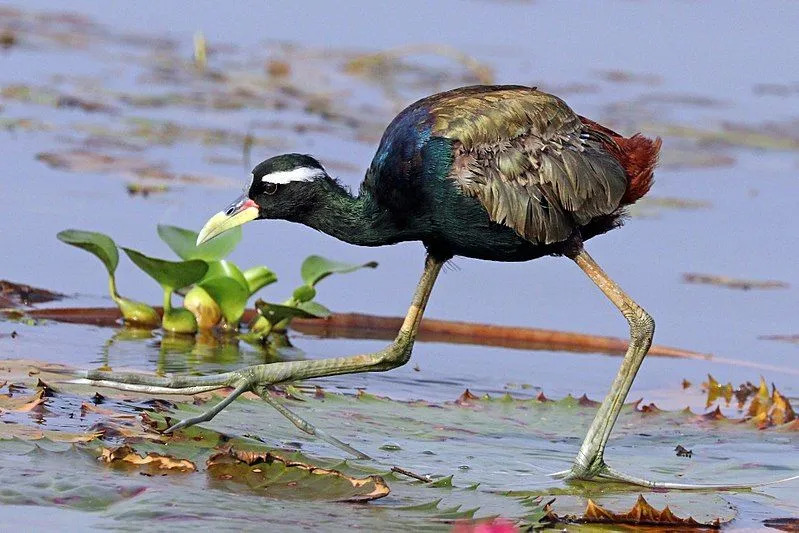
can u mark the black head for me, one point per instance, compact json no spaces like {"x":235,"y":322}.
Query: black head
{"x":286,"y":186}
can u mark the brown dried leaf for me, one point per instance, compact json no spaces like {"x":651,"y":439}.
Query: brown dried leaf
{"x":466,"y":398}
{"x":758,"y":409}
{"x":263,"y":470}
{"x":780,"y":411}
{"x":15,"y":294}
{"x":783,"y":524}
{"x":715,"y":391}
{"x":126,"y":455}
{"x":22,"y":404}
{"x":641,"y":514}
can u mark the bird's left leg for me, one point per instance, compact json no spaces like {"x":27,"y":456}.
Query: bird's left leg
{"x":256,"y":378}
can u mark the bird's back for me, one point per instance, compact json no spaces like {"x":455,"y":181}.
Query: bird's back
{"x":533,"y":165}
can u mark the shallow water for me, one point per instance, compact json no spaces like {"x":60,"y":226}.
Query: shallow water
{"x":690,"y":72}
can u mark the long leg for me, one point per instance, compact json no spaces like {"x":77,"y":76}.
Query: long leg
{"x":589,"y":462}
{"x":256,"y":377}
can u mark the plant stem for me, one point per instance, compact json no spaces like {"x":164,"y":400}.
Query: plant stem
{"x":167,"y":301}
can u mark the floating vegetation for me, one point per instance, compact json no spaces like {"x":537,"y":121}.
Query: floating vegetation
{"x":218,"y":291}
{"x":733,"y":283}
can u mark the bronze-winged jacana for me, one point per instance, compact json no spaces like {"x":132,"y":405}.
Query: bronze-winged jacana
{"x":503,"y":173}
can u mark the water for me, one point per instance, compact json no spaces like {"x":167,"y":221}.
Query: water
{"x":637,"y":66}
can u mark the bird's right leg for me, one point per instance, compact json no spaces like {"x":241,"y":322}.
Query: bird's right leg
{"x":256,"y":378}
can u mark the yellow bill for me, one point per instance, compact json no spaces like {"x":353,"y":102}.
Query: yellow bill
{"x":240,"y":212}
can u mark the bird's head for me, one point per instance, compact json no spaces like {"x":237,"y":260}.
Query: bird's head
{"x":285,"y":187}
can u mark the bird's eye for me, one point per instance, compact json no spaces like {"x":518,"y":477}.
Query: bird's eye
{"x":271,"y":188}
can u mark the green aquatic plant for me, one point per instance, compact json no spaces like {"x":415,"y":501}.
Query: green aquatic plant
{"x":105,"y":249}
{"x":172,"y":275}
{"x":216,"y":289}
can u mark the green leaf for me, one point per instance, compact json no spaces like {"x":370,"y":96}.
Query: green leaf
{"x":226,"y":269}
{"x":183,"y":243}
{"x":304,"y":293}
{"x":228,"y":287}
{"x":316,"y":268}
{"x":258,"y":278}
{"x":99,"y":244}
{"x":315,"y":309}
{"x":169,"y":274}
{"x":231,"y":296}
{"x":276,"y":312}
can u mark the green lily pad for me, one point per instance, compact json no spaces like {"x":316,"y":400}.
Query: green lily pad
{"x":258,"y":278}
{"x":169,"y":274}
{"x":184,"y":243}
{"x":316,"y":268}
{"x":99,"y":244}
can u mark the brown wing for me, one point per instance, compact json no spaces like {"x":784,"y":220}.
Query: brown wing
{"x":530,"y":160}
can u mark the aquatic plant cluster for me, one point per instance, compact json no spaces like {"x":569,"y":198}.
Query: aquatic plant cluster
{"x":215,"y":290}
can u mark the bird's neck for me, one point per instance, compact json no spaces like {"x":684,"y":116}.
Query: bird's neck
{"x":354,"y":219}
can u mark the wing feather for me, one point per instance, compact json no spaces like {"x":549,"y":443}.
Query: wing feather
{"x":531,"y":162}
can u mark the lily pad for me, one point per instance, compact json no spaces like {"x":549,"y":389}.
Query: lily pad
{"x":270,"y":474}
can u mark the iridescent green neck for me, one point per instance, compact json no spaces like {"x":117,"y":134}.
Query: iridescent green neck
{"x":355,"y":219}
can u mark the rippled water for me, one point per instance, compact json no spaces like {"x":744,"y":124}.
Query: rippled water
{"x":718,"y":82}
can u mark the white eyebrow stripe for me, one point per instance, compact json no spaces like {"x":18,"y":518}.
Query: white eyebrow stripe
{"x":297,"y":174}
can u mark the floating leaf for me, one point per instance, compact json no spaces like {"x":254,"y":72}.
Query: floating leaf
{"x":641,"y":514}
{"x":258,"y":278}
{"x":734,"y":283}
{"x":276,"y":312}
{"x":169,"y":274}
{"x":126,"y":455}
{"x":274,"y":476}
{"x":184,"y":243}
{"x":22,"y":404}
{"x":315,"y":309}
{"x":316,"y":268}
{"x":99,"y":244}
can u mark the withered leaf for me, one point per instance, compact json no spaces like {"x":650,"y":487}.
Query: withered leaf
{"x":783,"y":524}
{"x":641,"y":514}
{"x":734,"y":283}
{"x":274,"y":475}
{"x":22,"y":404}
{"x":126,"y":455}
{"x":466,"y":398}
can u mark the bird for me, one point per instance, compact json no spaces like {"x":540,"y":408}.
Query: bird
{"x":503,"y":173}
